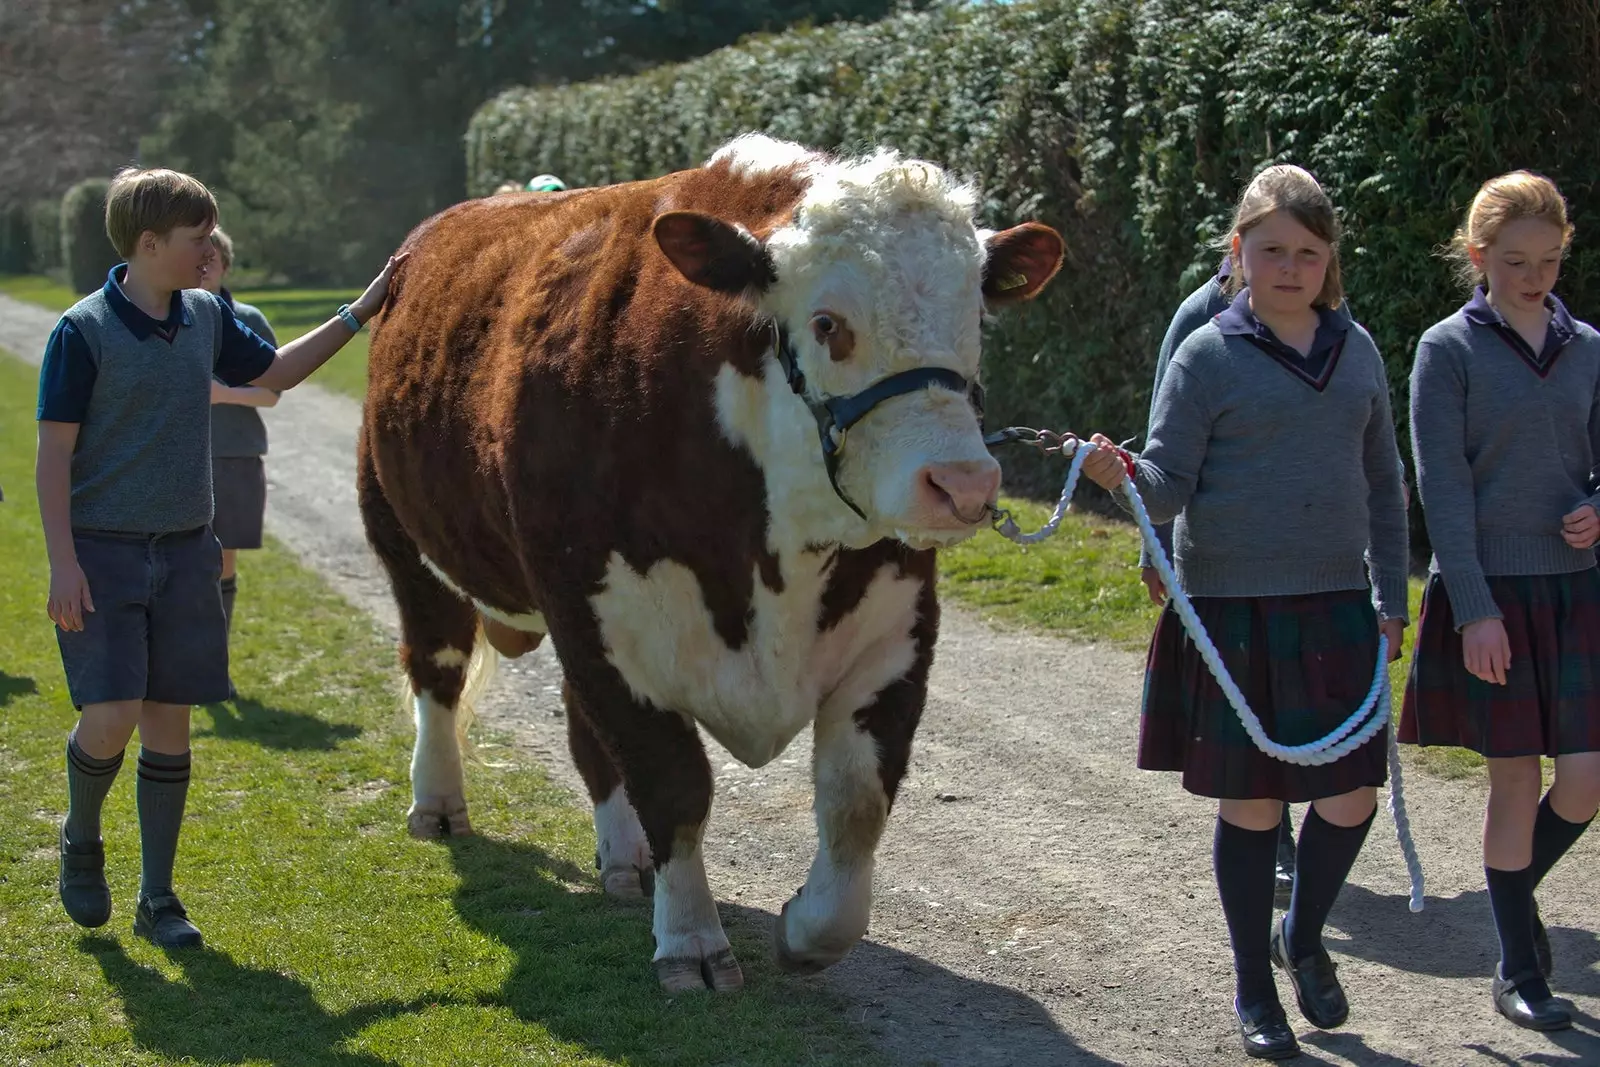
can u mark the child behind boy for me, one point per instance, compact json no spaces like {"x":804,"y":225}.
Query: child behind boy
{"x":238,"y":441}
{"x":124,"y":482}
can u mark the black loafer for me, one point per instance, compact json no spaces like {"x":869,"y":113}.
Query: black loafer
{"x":1316,"y":987}
{"x":1541,"y":944}
{"x":1540,"y":1014}
{"x":81,"y":882}
{"x":1264,"y":1032}
{"x":162,"y":921}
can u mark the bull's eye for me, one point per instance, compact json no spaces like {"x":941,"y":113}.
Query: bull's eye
{"x":832,"y":331}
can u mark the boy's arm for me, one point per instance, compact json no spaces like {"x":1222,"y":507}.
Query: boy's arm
{"x":249,"y":396}
{"x":296,"y":360}
{"x":69,"y":589}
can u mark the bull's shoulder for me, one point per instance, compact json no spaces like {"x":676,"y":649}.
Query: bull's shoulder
{"x":854,"y":571}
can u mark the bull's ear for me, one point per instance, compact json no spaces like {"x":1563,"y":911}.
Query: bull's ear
{"x":713,"y":253}
{"x":1020,"y":261}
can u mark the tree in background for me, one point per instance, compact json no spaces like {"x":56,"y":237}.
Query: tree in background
{"x":80,"y":80}
{"x":328,"y":128}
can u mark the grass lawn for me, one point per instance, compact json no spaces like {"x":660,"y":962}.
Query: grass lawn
{"x":332,"y":937}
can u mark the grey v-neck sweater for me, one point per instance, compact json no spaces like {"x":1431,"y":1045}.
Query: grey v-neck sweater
{"x":1281,"y":469}
{"x":1504,"y":440}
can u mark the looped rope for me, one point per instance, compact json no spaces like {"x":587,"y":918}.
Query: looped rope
{"x":1362,"y":725}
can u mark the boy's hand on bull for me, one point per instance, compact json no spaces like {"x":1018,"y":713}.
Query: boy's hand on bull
{"x":1105,"y":466}
{"x":370,"y":302}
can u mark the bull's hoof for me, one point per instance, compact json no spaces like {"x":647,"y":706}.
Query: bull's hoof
{"x":718,"y":972}
{"x":794,"y":961}
{"x":629,"y":883}
{"x":437,"y":816}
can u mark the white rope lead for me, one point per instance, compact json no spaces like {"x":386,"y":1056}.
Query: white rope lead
{"x":1372,"y":716}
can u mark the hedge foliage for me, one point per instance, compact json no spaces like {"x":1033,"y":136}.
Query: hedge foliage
{"x":85,"y":246}
{"x":44,"y":236}
{"x":1131,"y":126}
{"x":15,"y":255}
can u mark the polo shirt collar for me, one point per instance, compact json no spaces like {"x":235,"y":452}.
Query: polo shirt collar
{"x":1238,"y":320}
{"x":140,"y":324}
{"x":1562,"y":326}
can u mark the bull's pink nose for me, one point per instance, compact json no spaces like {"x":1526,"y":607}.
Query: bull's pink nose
{"x":968,"y":485}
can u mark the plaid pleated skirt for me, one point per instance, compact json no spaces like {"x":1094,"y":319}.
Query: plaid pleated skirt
{"x":1304,"y":663}
{"x":1550,"y":704}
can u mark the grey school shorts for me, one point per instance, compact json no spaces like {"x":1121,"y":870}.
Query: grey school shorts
{"x":239,"y":484}
{"x":157,"y":631}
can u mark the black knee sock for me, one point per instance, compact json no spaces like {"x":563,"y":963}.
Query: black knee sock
{"x":163,"y":788}
{"x":1552,"y":836}
{"x":1243,"y":861}
{"x":230,"y":589}
{"x":1326,"y":854}
{"x":1511,"y":897}
{"x":88,"y":782}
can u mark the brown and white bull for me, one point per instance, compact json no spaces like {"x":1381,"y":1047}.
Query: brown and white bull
{"x":705,"y":432}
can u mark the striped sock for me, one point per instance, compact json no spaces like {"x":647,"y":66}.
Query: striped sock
{"x":163,"y":788}
{"x":88,"y":781}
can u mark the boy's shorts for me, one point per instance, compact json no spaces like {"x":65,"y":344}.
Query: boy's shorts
{"x":157,"y":631}
{"x":240,"y":486}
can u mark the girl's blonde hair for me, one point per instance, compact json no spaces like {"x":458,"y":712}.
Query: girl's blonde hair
{"x":1509,"y":198}
{"x":1286,"y":187}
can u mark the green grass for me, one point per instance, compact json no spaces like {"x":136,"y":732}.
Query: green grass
{"x":38,"y":289}
{"x":332,"y":938}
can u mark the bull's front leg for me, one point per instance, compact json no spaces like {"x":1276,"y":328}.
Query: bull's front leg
{"x":667,"y":777}
{"x":859,"y":759}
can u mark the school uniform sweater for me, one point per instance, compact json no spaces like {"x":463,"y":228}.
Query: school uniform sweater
{"x":1504,"y":439}
{"x":1280,"y":470}
{"x":140,"y":391}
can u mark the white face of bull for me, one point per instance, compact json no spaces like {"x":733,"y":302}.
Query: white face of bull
{"x":881,"y":271}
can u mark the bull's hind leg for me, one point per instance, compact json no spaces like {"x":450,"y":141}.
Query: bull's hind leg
{"x":621,"y":853}
{"x":858,"y":761}
{"x":437,"y":633}
{"x":665,"y":773}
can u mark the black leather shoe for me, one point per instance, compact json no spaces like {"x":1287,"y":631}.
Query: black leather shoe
{"x":1264,"y":1032}
{"x":1541,"y":944}
{"x":162,"y":921}
{"x":81,"y":881}
{"x":1541,"y":1014}
{"x":1316,"y":987}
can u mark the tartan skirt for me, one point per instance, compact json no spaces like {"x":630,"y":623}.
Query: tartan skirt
{"x":1304,"y":663}
{"x":1550,"y":704}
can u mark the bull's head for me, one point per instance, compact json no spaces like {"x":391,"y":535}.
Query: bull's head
{"x":876,"y":288}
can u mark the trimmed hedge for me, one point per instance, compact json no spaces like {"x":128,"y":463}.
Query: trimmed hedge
{"x":1131,"y":125}
{"x":44,"y":236}
{"x":85,"y":246}
{"x":15,"y":255}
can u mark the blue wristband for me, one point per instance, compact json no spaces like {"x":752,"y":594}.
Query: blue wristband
{"x":349,"y":318}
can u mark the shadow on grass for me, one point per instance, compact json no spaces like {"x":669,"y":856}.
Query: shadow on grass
{"x":223,"y":1012}
{"x":13,"y":686}
{"x":247,"y":719}
{"x":582,"y":971}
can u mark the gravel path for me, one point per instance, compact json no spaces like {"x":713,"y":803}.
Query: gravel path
{"x":1039,"y":901}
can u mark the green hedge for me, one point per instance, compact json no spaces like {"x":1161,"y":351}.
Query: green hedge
{"x":15,"y":255}
{"x":44,"y":236}
{"x":85,"y":246}
{"x":1131,"y":127}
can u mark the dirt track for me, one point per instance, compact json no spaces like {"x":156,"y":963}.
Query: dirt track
{"x":1039,"y":901}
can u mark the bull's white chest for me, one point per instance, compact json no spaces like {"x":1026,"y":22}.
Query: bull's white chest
{"x":754,"y":699}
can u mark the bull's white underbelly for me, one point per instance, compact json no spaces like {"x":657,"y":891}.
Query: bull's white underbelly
{"x":755,"y":699}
